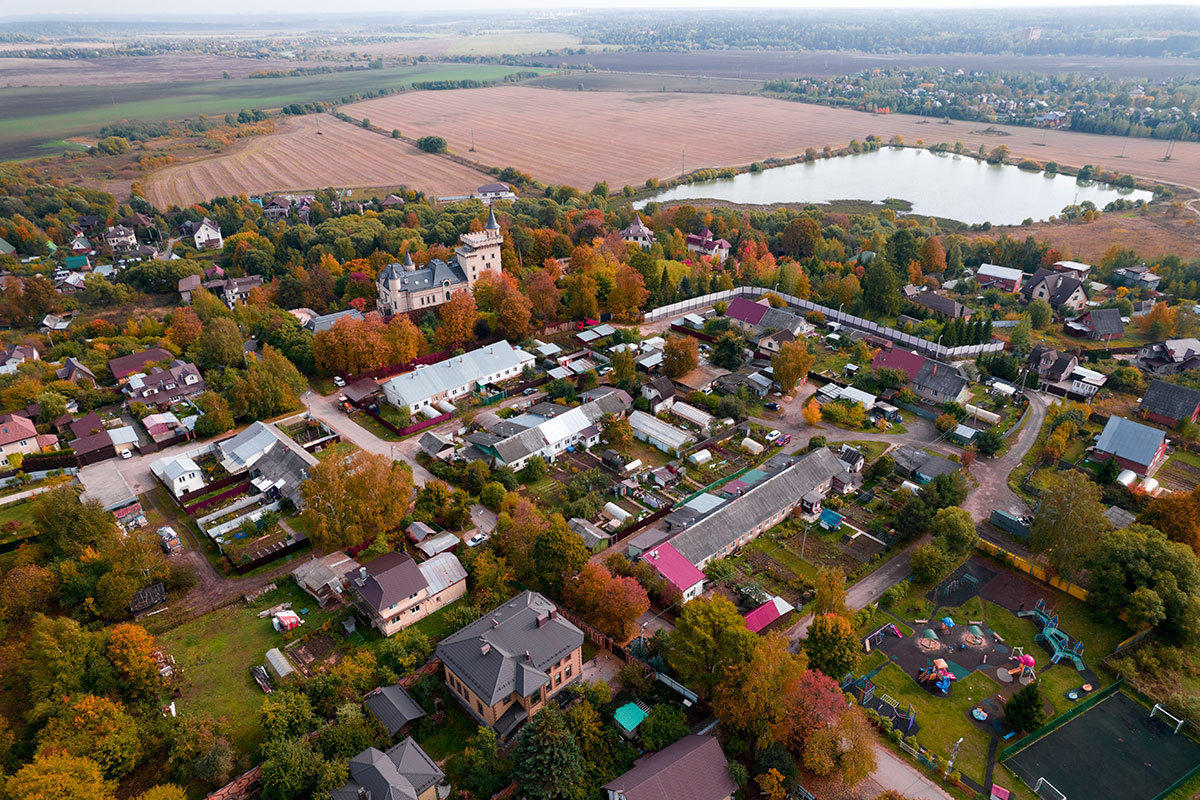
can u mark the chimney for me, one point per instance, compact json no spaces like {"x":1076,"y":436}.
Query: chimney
{"x":364,"y":793}
{"x":528,"y":657}
{"x":554,"y":613}
{"x":485,"y":649}
{"x":934,"y":369}
{"x":495,"y":622}
{"x":362,"y":575}
{"x":542,"y":619}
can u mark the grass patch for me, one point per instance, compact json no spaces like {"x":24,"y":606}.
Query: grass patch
{"x":20,"y":512}
{"x":337,"y":451}
{"x":944,"y":719}
{"x":435,"y":626}
{"x":449,"y":737}
{"x":369,"y":423}
{"x":870,"y":450}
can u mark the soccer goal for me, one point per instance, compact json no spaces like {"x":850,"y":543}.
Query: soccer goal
{"x":1158,"y":709}
{"x":1055,"y":793}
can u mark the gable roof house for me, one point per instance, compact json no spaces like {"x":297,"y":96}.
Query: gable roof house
{"x":907,"y":361}
{"x":181,"y":475}
{"x":325,"y":578}
{"x":941,"y":305}
{"x":659,"y":391}
{"x":1169,"y":357}
{"x":693,"y":768}
{"x":206,"y":234}
{"x":124,"y":366}
{"x":17,"y":435}
{"x":273,"y":461}
{"x":746,"y":314}
{"x":16,"y":355}
{"x":162,"y":387}
{"x":393,"y":591}
{"x":393,"y":707}
{"x":324,"y":322}
{"x":457,"y":376}
{"x":1137,"y":277}
{"x":676,"y":570}
{"x":1099,"y":323}
{"x":706,"y":245}
{"x":637,"y":233}
{"x":491,"y":192}
{"x":1050,"y":365}
{"x":1169,"y":403}
{"x":404,"y":772}
{"x":73,"y":370}
{"x":1059,"y":289}
{"x":504,"y":666}
{"x":1006,"y":279}
{"x":120,"y":239}
{"x":939,"y":383}
{"x":1135,"y":446}
{"x":546,"y":430}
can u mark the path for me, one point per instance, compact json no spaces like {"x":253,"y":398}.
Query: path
{"x":992,"y":474}
{"x":896,"y":774}
{"x":34,"y":492}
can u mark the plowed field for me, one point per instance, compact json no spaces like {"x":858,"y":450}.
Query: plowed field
{"x":297,"y":158}
{"x":579,"y":138}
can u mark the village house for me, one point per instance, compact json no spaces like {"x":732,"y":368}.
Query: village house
{"x":1050,"y":365}
{"x":706,"y":245}
{"x":940,"y":383}
{"x":1169,"y":357}
{"x":506,"y":665}
{"x":491,"y":192}
{"x":404,"y":772}
{"x":1006,"y":279}
{"x":693,"y":768}
{"x":1098,"y":324}
{"x":1075,"y":268}
{"x":162,"y":387}
{"x":1136,"y":277}
{"x":325,"y":578}
{"x":120,"y":239}
{"x":941,"y":305}
{"x":637,"y":233}
{"x":676,"y":570}
{"x":393,"y":591}
{"x":123,"y":367}
{"x":73,"y":370}
{"x":17,"y":436}
{"x":232,"y":290}
{"x":659,"y":392}
{"x":1135,"y":446}
{"x":79,"y":244}
{"x":454,"y":378}
{"x":404,"y":287}
{"x":277,"y":208}
{"x":182,"y":475}
{"x":1059,"y":289}
{"x":654,"y":431}
{"x":15,"y":356}
{"x":1169,"y":403}
{"x":205,"y":234}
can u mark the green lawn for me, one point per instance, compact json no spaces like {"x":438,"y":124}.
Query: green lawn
{"x":337,"y":451}
{"x":56,"y":112}
{"x":21,"y":511}
{"x":944,"y":719}
{"x":435,"y":626}
{"x":451,"y":736}
{"x":215,"y":653}
{"x":374,"y":427}
{"x":870,"y":450}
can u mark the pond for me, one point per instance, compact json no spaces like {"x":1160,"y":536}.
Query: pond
{"x":936,"y":184}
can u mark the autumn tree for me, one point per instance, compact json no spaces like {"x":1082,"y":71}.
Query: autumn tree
{"x":616,"y":431}
{"x":215,"y":415}
{"x":544,"y":295}
{"x":612,"y":604}
{"x":68,"y":524}
{"x":933,"y":256}
{"x":846,"y":750}
{"x":269,"y":386}
{"x":185,"y":327}
{"x":131,"y":649}
{"x":830,"y":589}
{"x":801,"y":237}
{"x":58,"y":775}
{"x":812,"y":412}
{"x":628,"y":293}
{"x":514,"y":311}
{"x":558,"y":555}
{"x":351,"y":499}
{"x":791,"y":364}
{"x":832,"y":646}
{"x":624,"y":367}
{"x":95,"y":728}
{"x":286,"y":715}
{"x":1159,"y":323}
{"x":405,"y":340}
{"x":220,"y":345}
{"x":753,"y":696}
{"x":1069,"y":516}
{"x":1177,"y":514}
{"x":457,"y":317}
{"x":681,"y":355}
{"x":710,"y":638}
{"x":27,"y":588}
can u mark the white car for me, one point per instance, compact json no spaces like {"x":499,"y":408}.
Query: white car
{"x":773,"y":435}
{"x":478,"y":539}
{"x":339,"y":381}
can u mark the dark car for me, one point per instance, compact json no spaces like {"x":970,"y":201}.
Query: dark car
{"x":771,"y":406}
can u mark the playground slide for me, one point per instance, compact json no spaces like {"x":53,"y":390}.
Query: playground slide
{"x":896,"y":631}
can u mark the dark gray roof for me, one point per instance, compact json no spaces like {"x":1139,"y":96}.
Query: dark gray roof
{"x":327,"y":321}
{"x":393,"y":707}
{"x":392,"y":578}
{"x":1170,"y":400}
{"x":1105,"y":322}
{"x":510,"y":648}
{"x":706,"y":538}
{"x":433,"y":444}
{"x":661,"y":384}
{"x":909,"y":458}
{"x":694,"y":768}
{"x":941,"y":378}
{"x":936,"y":465}
{"x":1130,"y":440}
{"x":1060,"y":284}
{"x":941,"y":304}
{"x":435,"y":273}
{"x":402,"y":773}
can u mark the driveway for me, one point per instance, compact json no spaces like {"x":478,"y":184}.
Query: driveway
{"x":992,"y":474}
{"x":894,"y":773}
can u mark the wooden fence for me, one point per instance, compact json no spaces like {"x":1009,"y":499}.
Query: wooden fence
{"x":1031,"y":569}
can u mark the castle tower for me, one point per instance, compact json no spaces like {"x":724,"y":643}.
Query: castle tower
{"x":480,"y":252}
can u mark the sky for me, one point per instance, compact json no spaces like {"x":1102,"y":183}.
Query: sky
{"x":11,"y":9}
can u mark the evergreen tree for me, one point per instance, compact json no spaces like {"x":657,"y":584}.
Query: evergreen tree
{"x":1023,"y":711}
{"x":548,"y":763}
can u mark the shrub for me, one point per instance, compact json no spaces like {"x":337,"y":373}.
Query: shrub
{"x":432,"y":144}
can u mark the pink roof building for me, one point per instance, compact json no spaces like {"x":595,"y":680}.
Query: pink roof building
{"x":746,"y":312}
{"x":906,"y":361}
{"x":676,"y":570}
{"x":768,"y":612}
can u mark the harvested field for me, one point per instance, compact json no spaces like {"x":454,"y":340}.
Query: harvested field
{"x":130,"y":69}
{"x":766,"y":64}
{"x":297,"y":158}
{"x":580,"y":138}
{"x":1155,"y":234}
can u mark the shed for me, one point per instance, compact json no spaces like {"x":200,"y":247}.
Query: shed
{"x":830,"y":520}
{"x":615,"y":512}
{"x":438,"y":544}
{"x":393,"y":707}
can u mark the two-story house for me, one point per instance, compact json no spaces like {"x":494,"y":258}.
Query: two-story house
{"x":1059,"y":289}
{"x":694,"y":768}
{"x":120,"y":239}
{"x":638,"y":233}
{"x":17,"y":435}
{"x":393,"y":591}
{"x":162,"y":387}
{"x":506,"y":665}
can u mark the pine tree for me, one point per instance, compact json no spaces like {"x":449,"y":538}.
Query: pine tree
{"x":548,"y":763}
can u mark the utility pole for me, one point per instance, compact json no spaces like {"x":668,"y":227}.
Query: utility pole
{"x":682,"y":170}
{"x":472,"y":140}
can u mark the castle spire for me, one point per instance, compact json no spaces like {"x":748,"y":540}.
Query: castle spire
{"x":492,"y":225}
{"x":408,"y":262}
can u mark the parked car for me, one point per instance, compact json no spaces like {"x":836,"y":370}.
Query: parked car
{"x":773,"y":435}
{"x":339,"y":381}
{"x":529,"y":391}
{"x":126,"y":454}
{"x":771,"y":406}
{"x":782,"y":440}
{"x":478,"y":539}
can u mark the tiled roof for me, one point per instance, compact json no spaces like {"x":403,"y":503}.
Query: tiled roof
{"x":1170,"y":400}
{"x":693,"y":768}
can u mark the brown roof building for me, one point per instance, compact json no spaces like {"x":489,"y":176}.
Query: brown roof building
{"x":694,"y":768}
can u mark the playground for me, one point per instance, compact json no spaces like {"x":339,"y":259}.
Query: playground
{"x":1114,"y":748}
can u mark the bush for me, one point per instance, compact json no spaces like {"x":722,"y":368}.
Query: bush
{"x":928,"y":563}
{"x":432,"y":144}
{"x":895,"y":594}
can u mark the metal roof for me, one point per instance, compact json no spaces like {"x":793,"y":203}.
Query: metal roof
{"x":459,"y":373}
{"x":656,"y":429}
{"x":1130,"y":440}
{"x":393,"y":707}
{"x":1170,"y":400}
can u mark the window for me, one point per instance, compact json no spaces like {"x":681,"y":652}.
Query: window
{"x":568,"y":671}
{"x":479,"y":706}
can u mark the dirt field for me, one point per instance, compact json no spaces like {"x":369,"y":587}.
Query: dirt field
{"x":297,"y":158}
{"x":765,"y":64}
{"x":1150,"y":236}
{"x":477,"y":43}
{"x":129,"y":69}
{"x":579,"y":138}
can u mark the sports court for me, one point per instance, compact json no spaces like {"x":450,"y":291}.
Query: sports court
{"x":1114,"y":749}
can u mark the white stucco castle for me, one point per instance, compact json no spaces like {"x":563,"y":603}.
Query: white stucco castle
{"x":403,"y":287}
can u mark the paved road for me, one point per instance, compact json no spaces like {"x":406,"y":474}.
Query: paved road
{"x":895,"y":773}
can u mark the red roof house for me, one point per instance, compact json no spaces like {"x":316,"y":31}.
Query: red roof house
{"x":746,"y":312}
{"x":676,"y":570}
{"x":906,"y":361}
{"x":768,"y":612}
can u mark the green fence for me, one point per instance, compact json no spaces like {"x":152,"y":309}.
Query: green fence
{"x":1165,"y":793}
{"x":1058,"y":722}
